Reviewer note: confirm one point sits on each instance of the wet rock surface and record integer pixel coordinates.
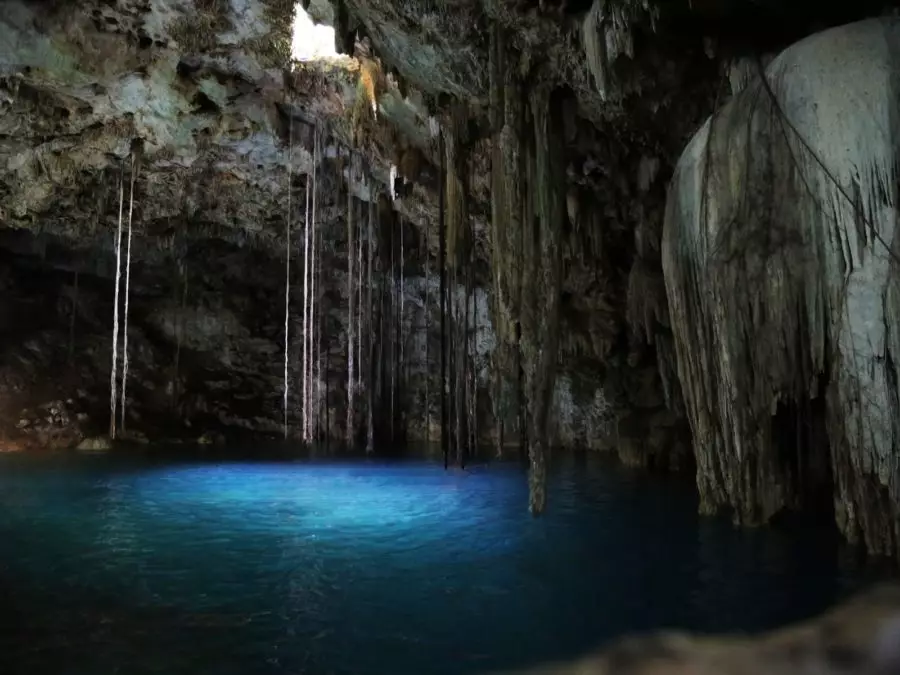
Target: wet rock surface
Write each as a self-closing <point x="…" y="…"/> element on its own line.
<point x="861" y="637"/>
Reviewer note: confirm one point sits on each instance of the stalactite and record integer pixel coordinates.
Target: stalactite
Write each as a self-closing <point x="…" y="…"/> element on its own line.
<point x="370" y="388"/>
<point x="508" y="226"/>
<point x="442" y="265"/>
<point x="776" y="223"/>
<point x="546" y="268"/>
<point x="526" y="271"/>
<point x="287" y="270"/>
<point x="456" y="150"/>
<point x="351" y="229"/>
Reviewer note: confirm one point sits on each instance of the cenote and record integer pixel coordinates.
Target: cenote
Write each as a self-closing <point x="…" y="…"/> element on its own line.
<point x="369" y="567"/>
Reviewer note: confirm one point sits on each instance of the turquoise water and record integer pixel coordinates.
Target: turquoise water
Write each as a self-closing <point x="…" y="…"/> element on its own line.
<point x="373" y="568"/>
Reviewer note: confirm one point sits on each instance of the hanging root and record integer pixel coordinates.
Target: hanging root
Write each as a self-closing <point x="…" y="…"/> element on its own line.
<point x="287" y="270"/>
<point x="127" y="288"/>
<point x="113" y="398"/>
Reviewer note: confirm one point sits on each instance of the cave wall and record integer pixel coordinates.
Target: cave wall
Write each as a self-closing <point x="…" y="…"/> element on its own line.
<point x="526" y="148"/>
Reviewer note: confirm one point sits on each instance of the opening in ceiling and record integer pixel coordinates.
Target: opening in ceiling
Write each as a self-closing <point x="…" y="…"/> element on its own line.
<point x="311" y="40"/>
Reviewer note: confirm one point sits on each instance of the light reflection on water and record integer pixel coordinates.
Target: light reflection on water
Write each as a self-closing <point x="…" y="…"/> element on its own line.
<point x="368" y="567"/>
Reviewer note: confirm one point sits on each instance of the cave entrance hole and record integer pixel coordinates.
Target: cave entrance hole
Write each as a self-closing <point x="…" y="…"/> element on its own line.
<point x="311" y="41"/>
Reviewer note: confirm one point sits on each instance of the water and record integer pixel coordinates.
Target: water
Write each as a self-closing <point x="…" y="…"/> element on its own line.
<point x="370" y="568"/>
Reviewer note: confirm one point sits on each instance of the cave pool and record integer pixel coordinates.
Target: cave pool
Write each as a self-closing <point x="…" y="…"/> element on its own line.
<point x="382" y="567"/>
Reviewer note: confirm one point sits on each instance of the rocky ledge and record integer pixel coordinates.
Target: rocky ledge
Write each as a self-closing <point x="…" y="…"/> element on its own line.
<point x="861" y="637"/>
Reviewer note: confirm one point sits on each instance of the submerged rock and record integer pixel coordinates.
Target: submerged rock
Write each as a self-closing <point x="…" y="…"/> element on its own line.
<point x="95" y="444"/>
<point x="862" y="637"/>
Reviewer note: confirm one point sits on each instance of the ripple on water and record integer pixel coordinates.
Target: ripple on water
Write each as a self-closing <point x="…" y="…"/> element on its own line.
<point x="369" y="567"/>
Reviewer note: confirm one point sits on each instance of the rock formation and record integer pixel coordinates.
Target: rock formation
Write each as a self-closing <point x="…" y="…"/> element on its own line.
<point x="781" y="269"/>
<point x="861" y="637"/>
<point x="481" y="257"/>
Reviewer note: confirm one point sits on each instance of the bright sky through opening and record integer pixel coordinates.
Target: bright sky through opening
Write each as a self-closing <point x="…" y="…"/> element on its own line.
<point x="311" y="41"/>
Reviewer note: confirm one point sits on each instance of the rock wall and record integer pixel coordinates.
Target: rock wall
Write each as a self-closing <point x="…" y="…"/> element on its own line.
<point x="781" y="270"/>
<point x="525" y="151"/>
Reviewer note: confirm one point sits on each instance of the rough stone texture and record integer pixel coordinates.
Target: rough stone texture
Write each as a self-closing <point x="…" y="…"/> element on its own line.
<point x="862" y="637"/>
<point x="781" y="271"/>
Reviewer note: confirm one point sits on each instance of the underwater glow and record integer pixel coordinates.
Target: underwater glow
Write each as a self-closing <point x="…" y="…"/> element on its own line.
<point x="274" y="568"/>
<point x="310" y="40"/>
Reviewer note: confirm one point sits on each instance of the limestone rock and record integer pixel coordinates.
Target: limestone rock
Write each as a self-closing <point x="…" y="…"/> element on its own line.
<point x="859" y="638"/>
<point x="96" y="444"/>
<point x="782" y="280"/>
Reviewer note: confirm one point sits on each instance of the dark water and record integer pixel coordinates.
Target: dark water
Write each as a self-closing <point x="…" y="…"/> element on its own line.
<point x="369" y="568"/>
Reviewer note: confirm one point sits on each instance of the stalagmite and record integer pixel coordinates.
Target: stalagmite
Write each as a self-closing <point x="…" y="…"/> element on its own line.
<point x="113" y="397"/>
<point x="781" y="277"/>
<point x="350" y="317"/>
<point x="127" y="290"/>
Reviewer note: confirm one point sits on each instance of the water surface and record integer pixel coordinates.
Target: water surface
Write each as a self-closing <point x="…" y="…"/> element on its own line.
<point x="373" y="568"/>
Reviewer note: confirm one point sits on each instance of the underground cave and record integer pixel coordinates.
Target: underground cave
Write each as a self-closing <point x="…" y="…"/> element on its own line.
<point x="449" y="336"/>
